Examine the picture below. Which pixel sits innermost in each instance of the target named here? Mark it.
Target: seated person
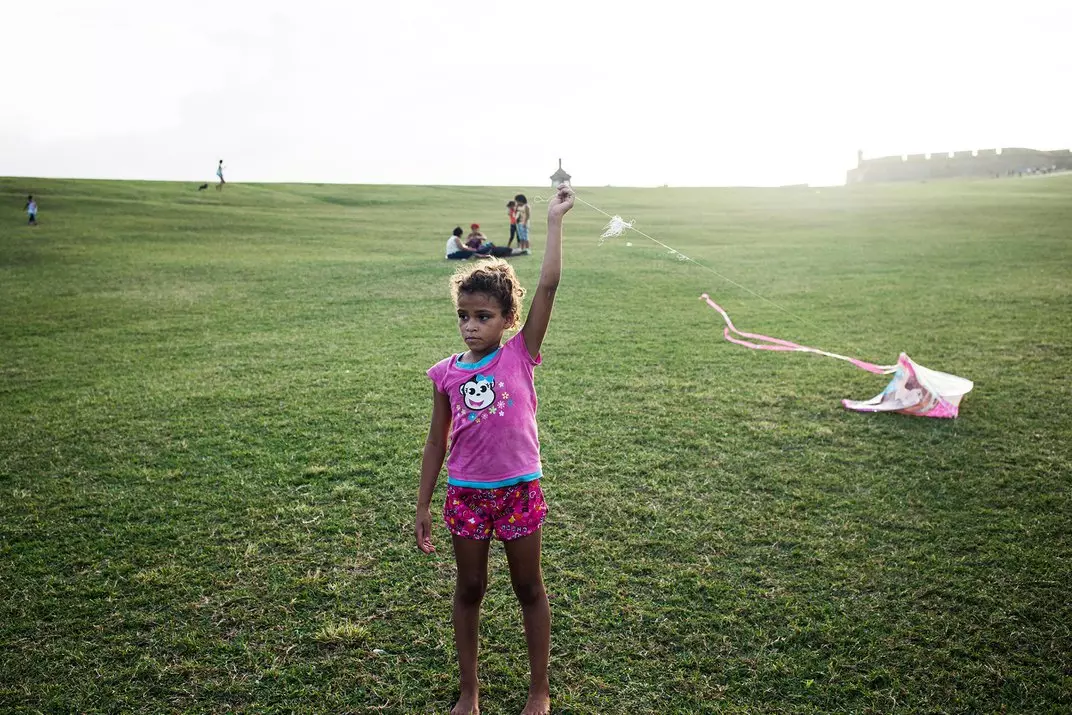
(506, 251)
(477, 245)
(475, 239)
(458, 251)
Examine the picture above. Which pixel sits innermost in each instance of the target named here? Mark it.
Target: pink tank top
(493, 437)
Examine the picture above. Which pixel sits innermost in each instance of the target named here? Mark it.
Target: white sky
(492, 92)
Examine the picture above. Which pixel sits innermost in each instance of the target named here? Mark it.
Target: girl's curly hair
(493, 277)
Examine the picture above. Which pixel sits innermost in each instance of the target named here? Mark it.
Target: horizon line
(388, 183)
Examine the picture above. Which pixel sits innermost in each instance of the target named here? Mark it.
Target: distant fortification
(954, 164)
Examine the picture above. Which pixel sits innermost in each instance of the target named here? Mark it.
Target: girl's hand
(423, 530)
(561, 202)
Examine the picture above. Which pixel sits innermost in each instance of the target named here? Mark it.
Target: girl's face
(481, 322)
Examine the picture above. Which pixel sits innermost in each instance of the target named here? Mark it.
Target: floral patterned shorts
(511, 512)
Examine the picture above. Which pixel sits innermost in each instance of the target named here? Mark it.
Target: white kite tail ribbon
(769, 343)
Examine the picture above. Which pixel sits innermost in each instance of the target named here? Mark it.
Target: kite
(914, 389)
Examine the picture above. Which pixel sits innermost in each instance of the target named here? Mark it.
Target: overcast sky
(481, 92)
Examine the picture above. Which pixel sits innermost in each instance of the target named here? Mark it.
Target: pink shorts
(511, 512)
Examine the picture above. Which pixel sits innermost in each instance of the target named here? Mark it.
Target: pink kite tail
(785, 345)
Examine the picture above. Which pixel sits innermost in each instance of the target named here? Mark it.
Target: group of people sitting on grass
(476, 244)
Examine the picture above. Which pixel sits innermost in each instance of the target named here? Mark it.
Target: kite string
(682, 257)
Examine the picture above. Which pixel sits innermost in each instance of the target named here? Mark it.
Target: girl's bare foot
(539, 704)
(468, 704)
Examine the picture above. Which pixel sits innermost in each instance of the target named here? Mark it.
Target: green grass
(212, 410)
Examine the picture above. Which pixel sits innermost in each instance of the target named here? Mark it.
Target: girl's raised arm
(550, 272)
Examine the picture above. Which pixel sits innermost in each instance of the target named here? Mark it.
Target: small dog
(202, 187)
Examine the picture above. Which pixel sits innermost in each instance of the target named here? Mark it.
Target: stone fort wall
(979, 163)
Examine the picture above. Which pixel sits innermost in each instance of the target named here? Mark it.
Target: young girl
(475, 239)
(484, 402)
(523, 213)
(511, 213)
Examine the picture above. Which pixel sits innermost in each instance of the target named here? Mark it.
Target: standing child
(31, 210)
(511, 211)
(523, 214)
(219, 173)
(484, 406)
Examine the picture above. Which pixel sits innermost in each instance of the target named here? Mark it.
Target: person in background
(523, 215)
(511, 211)
(475, 239)
(456, 249)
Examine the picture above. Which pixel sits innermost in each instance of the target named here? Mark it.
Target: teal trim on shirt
(493, 485)
(476, 365)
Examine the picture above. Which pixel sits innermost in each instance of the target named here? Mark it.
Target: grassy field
(213, 405)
